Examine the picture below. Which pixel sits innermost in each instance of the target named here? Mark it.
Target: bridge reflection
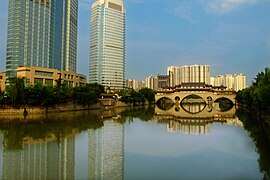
(194, 118)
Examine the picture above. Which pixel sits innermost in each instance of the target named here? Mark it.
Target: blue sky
(230, 35)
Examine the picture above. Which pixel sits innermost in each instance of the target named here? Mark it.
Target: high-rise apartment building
(195, 74)
(132, 83)
(240, 81)
(174, 75)
(141, 85)
(42, 33)
(151, 82)
(234, 82)
(229, 81)
(163, 81)
(107, 44)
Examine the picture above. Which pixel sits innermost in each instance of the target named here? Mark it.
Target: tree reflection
(141, 112)
(259, 132)
(57, 126)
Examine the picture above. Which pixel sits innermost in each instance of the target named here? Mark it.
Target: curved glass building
(42, 33)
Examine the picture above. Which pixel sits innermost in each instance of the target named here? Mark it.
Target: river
(136, 143)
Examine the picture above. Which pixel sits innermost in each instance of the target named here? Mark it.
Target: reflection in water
(260, 133)
(106, 151)
(45, 160)
(188, 122)
(44, 148)
(193, 108)
(197, 126)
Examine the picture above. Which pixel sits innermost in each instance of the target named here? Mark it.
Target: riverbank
(68, 107)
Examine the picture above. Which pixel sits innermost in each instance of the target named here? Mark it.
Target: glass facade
(107, 44)
(35, 28)
(69, 35)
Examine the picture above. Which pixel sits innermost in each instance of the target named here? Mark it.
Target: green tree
(15, 90)
(149, 94)
(258, 93)
(87, 94)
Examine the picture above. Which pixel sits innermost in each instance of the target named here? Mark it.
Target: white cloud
(225, 6)
(184, 11)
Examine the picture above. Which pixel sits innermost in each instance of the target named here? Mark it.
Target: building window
(48, 82)
(38, 81)
(42, 73)
(27, 82)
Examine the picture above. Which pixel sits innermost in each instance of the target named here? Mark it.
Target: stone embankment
(26, 110)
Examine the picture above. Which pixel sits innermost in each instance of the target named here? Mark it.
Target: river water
(138, 143)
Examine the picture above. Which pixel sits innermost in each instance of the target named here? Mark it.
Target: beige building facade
(2, 81)
(132, 83)
(195, 74)
(45, 76)
(151, 82)
(174, 75)
(234, 82)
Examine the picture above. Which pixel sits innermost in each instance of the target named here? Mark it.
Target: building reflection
(45, 149)
(40, 160)
(106, 151)
(194, 108)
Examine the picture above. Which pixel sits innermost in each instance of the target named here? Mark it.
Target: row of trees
(38, 95)
(258, 94)
(132, 96)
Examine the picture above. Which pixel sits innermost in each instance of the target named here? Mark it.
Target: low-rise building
(2, 81)
(33, 75)
(47, 76)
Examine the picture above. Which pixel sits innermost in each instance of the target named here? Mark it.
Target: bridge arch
(165, 103)
(193, 96)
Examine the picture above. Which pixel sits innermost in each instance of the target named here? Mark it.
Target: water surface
(134, 143)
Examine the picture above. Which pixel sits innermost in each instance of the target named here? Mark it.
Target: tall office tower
(65, 54)
(42, 33)
(195, 74)
(174, 75)
(239, 81)
(106, 151)
(107, 44)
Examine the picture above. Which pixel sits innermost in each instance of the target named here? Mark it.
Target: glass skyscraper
(42, 33)
(107, 44)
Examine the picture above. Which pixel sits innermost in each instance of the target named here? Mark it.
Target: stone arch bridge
(207, 92)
